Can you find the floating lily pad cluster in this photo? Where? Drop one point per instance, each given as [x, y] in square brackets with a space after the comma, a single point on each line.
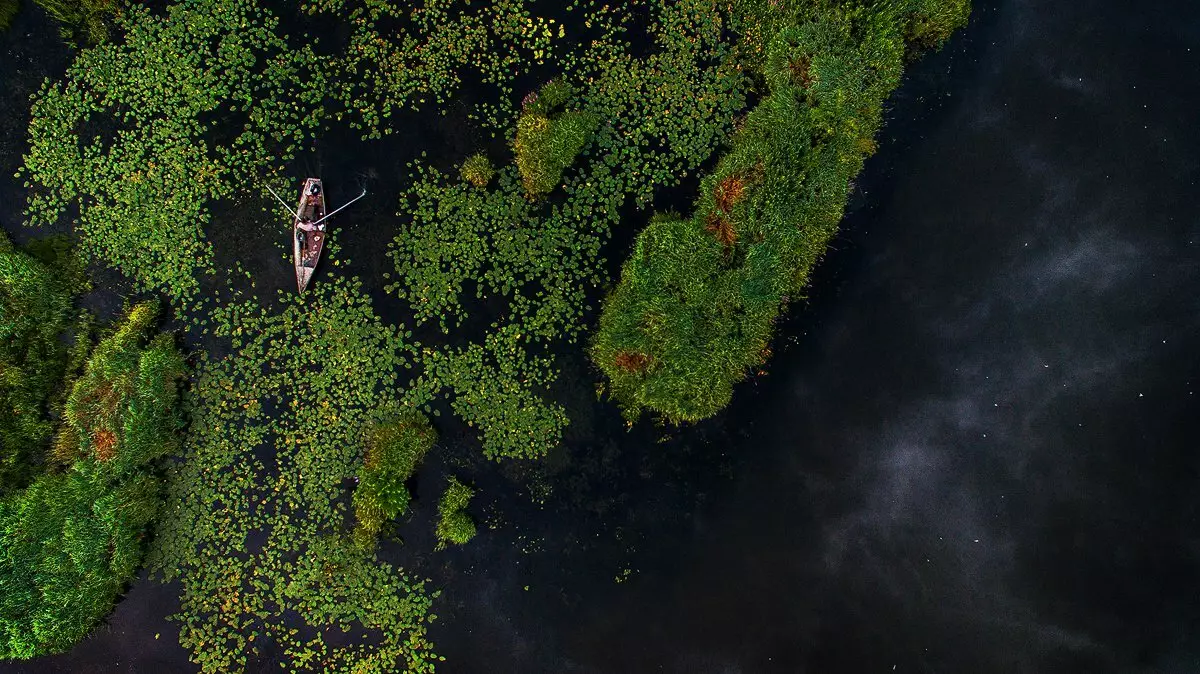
[384, 71]
[125, 139]
[256, 524]
[195, 104]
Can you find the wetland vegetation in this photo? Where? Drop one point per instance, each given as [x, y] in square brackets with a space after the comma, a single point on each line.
[83, 428]
[309, 415]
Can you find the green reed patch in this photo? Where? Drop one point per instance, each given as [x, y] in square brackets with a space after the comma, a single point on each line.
[697, 301]
[37, 285]
[86, 22]
[72, 540]
[394, 448]
[477, 170]
[454, 525]
[548, 139]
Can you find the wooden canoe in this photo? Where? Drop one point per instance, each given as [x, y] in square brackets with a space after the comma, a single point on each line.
[307, 240]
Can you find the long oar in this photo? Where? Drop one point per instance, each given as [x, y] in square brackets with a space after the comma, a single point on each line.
[289, 208]
[364, 193]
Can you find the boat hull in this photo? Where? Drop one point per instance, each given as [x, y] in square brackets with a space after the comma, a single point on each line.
[307, 241]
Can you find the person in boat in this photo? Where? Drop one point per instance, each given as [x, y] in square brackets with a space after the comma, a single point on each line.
[314, 190]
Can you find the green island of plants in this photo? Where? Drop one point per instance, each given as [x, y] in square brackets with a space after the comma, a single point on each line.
[394, 448]
[455, 526]
[698, 299]
[36, 310]
[294, 398]
[547, 141]
[71, 540]
[477, 170]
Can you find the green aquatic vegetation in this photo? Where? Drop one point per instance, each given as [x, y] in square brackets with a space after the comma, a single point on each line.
[477, 170]
[695, 308]
[394, 447]
[384, 70]
[71, 541]
[82, 21]
[8, 11]
[36, 296]
[546, 145]
[124, 138]
[256, 519]
[270, 542]
[538, 260]
[455, 526]
[495, 388]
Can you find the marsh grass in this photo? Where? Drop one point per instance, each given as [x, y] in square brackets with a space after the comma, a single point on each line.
[37, 319]
[8, 11]
[548, 140]
[699, 297]
[394, 449]
[454, 525]
[73, 539]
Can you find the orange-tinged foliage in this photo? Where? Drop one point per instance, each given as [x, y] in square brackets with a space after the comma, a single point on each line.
[632, 361]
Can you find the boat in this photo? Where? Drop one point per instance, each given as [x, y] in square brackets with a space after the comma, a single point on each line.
[309, 222]
[308, 231]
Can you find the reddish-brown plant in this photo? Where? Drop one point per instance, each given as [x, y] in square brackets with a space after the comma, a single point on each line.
[104, 444]
[720, 227]
[632, 361]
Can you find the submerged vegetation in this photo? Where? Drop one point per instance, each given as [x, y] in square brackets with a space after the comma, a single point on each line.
[264, 527]
[71, 540]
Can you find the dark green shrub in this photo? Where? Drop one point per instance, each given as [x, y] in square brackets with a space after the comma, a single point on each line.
[477, 170]
[70, 541]
[454, 525]
[393, 450]
[545, 146]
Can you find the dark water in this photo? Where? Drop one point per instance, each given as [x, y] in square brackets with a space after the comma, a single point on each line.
[975, 450]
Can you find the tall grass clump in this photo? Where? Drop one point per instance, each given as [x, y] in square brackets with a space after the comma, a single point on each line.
[85, 22]
[394, 448]
[455, 526]
[548, 142]
[36, 293]
[697, 300]
[73, 539]
[477, 170]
